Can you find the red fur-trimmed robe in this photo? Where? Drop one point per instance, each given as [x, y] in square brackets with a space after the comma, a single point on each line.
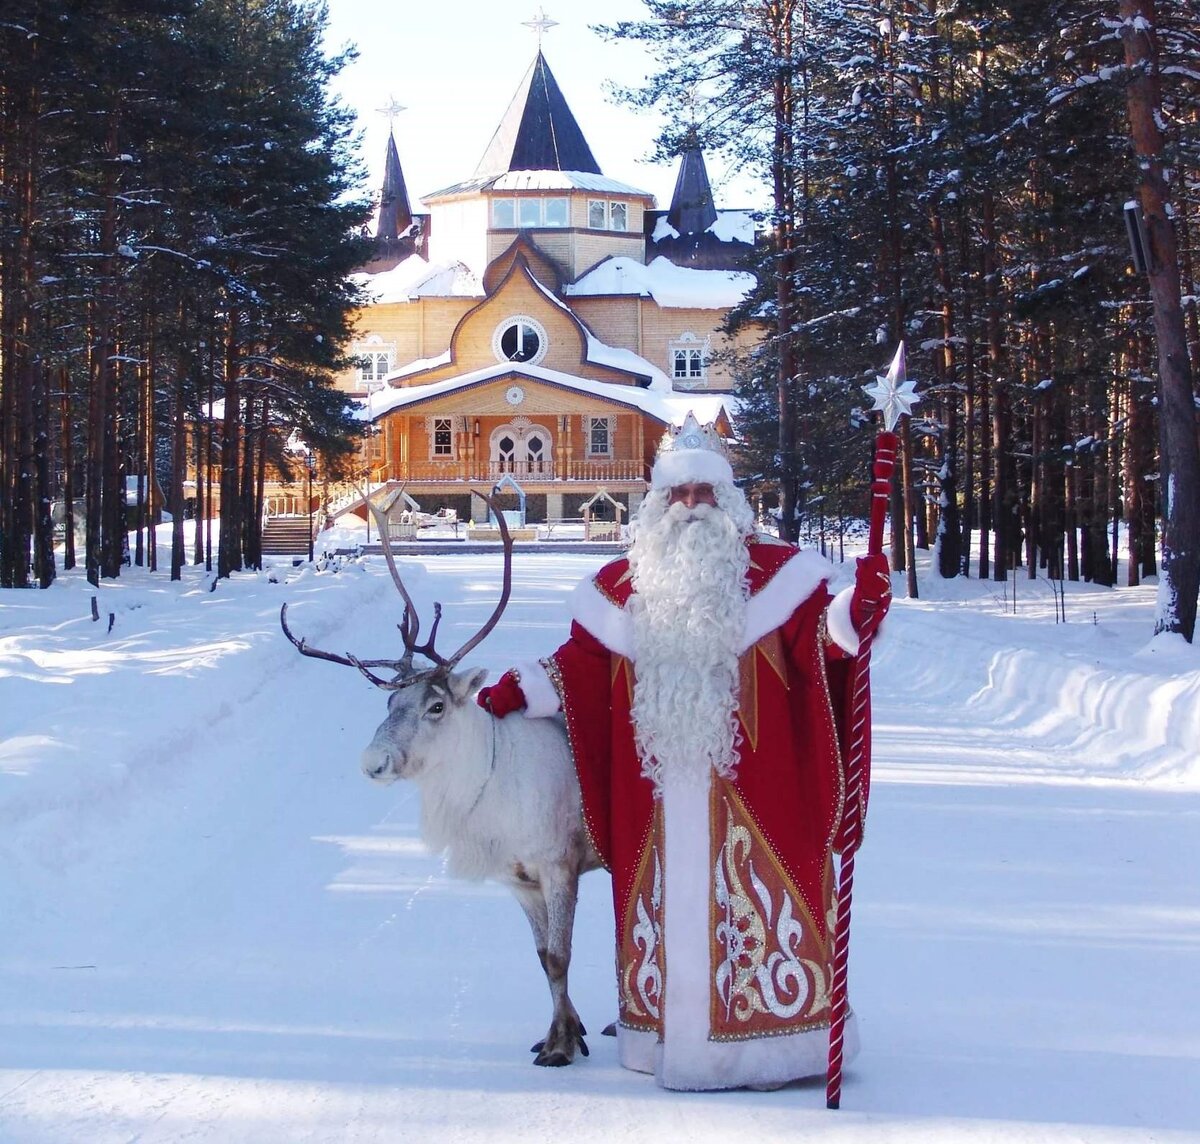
[724, 897]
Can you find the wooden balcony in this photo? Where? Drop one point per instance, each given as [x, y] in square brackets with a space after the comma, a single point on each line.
[524, 472]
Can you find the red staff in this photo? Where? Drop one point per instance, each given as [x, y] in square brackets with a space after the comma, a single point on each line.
[893, 396]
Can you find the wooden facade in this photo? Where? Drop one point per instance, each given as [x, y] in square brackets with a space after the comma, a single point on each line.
[497, 356]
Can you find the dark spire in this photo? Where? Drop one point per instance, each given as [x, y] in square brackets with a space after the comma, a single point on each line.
[538, 131]
[692, 210]
[395, 211]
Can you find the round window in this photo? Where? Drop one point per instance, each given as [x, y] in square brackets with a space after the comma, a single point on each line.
[520, 339]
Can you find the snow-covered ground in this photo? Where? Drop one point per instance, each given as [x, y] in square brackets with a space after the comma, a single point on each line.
[212, 928]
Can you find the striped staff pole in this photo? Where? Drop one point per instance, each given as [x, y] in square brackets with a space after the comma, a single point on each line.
[893, 396]
[850, 832]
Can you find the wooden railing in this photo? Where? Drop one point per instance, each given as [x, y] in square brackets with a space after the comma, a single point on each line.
[285, 504]
[531, 472]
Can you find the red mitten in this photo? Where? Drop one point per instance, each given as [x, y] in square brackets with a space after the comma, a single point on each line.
[872, 594]
[504, 696]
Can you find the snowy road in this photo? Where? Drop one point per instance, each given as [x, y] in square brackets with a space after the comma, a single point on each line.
[240, 939]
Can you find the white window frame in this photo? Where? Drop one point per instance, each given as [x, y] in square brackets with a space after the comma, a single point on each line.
[375, 358]
[529, 213]
[689, 348]
[496, 224]
[533, 324]
[535, 209]
[431, 430]
[609, 209]
[592, 422]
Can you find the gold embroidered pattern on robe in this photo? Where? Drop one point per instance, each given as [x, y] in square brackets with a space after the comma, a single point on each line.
[640, 972]
[770, 966]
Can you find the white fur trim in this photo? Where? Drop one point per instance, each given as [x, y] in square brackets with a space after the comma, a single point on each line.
[541, 700]
[841, 627]
[611, 625]
[636, 1049]
[798, 579]
[686, 1058]
[688, 466]
[765, 611]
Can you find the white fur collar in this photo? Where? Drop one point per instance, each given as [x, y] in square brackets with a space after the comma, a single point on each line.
[767, 610]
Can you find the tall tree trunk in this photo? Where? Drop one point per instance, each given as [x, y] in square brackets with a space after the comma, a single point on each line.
[1179, 582]
[251, 443]
[1002, 493]
[948, 525]
[229, 557]
[178, 473]
[43, 524]
[141, 517]
[67, 452]
[782, 182]
[969, 521]
[99, 466]
[260, 482]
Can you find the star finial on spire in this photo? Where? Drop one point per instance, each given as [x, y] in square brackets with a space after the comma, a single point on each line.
[894, 394]
[541, 24]
[391, 109]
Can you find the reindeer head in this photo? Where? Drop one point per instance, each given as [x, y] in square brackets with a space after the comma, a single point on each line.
[422, 723]
[422, 699]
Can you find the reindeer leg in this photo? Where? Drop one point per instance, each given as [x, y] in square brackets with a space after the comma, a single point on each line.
[531, 899]
[560, 887]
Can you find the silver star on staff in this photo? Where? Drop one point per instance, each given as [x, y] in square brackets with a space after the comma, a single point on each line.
[893, 394]
[541, 23]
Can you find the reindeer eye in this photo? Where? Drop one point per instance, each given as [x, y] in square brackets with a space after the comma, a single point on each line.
[436, 708]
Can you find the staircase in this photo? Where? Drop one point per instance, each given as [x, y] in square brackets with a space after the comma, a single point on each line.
[286, 536]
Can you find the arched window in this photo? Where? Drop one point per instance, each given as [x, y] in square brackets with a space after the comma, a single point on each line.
[506, 453]
[521, 448]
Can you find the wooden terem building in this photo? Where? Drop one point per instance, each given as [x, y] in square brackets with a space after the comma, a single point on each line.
[541, 320]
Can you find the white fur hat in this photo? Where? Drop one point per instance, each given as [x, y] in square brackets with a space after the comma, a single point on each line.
[692, 454]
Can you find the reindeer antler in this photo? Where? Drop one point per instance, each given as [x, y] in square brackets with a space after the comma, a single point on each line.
[410, 624]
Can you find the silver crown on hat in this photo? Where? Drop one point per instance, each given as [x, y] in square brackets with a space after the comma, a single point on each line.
[692, 435]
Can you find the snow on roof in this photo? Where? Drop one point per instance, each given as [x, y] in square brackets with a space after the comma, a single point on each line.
[663, 229]
[734, 226]
[667, 407]
[563, 180]
[541, 181]
[669, 285]
[603, 354]
[731, 226]
[419, 366]
[415, 278]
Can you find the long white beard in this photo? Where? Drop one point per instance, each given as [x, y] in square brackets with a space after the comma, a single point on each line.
[689, 614]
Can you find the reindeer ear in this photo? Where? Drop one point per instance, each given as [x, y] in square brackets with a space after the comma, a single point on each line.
[465, 683]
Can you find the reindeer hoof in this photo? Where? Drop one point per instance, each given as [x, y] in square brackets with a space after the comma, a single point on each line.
[553, 1060]
[560, 1046]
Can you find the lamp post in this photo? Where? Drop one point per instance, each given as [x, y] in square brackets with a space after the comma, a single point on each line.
[308, 470]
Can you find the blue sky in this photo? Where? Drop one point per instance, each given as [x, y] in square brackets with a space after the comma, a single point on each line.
[456, 66]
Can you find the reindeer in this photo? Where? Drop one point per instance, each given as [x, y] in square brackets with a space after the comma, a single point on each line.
[499, 796]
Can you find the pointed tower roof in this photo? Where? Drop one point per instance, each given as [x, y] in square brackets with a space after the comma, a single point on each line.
[538, 131]
[692, 210]
[395, 211]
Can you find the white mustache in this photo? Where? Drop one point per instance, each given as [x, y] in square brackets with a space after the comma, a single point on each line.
[679, 512]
